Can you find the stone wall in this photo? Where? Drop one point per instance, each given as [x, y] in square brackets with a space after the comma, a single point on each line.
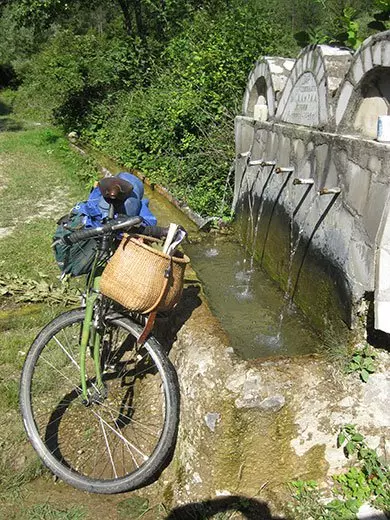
[312, 182]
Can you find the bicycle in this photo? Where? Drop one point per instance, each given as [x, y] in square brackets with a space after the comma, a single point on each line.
[100, 407]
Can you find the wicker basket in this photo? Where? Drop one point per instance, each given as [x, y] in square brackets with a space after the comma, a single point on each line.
[135, 277]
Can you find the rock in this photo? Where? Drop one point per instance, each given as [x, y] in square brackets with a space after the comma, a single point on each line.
[366, 512]
[73, 137]
[211, 419]
[273, 403]
[269, 404]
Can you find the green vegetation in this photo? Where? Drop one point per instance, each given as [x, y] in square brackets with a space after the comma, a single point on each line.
[362, 362]
[156, 85]
[50, 512]
[367, 481]
[40, 179]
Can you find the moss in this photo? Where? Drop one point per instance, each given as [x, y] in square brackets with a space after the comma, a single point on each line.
[132, 508]
[316, 283]
[168, 495]
[254, 453]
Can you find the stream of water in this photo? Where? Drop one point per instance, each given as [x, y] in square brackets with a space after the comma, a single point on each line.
[248, 303]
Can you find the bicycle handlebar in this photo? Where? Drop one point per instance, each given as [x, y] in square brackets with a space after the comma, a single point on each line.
[83, 234]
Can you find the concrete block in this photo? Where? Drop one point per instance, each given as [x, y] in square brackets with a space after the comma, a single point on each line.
[331, 177]
[357, 70]
[343, 101]
[320, 73]
[357, 185]
[383, 275]
[289, 64]
[360, 266]
[271, 100]
[377, 53]
[260, 112]
[366, 119]
[382, 313]
[367, 59]
[299, 150]
[385, 53]
[323, 102]
[375, 204]
[374, 164]
[340, 227]
[272, 148]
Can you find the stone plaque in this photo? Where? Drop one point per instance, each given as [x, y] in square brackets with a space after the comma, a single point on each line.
[302, 107]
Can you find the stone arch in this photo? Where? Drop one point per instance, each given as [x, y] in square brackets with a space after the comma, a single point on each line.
[307, 96]
[265, 82]
[365, 92]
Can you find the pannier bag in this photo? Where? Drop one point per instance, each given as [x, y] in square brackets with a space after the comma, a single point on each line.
[142, 278]
[75, 259]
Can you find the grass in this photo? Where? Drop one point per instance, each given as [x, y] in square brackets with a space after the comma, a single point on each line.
[40, 180]
[50, 512]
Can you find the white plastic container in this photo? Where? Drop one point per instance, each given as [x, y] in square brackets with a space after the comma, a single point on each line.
[383, 129]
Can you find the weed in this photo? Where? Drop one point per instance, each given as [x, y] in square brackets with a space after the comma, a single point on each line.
[367, 481]
[26, 290]
[362, 362]
[132, 508]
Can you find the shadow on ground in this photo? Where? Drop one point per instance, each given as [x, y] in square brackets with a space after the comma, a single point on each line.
[4, 109]
[168, 325]
[9, 125]
[249, 509]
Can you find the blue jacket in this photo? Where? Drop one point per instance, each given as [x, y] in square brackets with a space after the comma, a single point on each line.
[96, 208]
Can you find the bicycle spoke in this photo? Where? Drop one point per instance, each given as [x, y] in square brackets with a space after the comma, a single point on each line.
[66, 352]
[120, 429]
[108, 446]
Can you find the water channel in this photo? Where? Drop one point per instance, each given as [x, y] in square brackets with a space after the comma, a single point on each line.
[251, 308]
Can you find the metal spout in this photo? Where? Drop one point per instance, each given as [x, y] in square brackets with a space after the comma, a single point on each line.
[288, 169]
[330, 191]
[303, 181]
[256, 162]
[267, 163]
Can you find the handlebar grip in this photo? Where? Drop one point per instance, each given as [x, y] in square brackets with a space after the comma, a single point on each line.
[155, 231]
[83, 234]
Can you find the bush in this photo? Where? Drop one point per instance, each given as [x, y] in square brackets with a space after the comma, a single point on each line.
[173, 119]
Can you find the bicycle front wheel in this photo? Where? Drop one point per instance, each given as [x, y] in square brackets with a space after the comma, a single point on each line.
[122, 437]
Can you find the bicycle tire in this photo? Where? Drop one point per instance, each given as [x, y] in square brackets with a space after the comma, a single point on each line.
[66, 434]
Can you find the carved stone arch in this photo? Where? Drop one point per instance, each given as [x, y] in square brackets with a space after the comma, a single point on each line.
[365, 92]
[265, 82]
[308, 93]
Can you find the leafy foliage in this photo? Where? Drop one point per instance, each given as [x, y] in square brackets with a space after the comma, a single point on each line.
[367, 481]
[362, 362]
[22, 289]
[164, 102]
[156, 85]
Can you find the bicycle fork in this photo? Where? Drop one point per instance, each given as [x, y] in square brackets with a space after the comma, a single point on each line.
[91, 336]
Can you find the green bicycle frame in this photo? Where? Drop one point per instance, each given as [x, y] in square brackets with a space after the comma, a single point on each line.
[90, 337]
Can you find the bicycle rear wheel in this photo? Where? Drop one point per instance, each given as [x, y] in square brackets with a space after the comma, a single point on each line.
[122, 439]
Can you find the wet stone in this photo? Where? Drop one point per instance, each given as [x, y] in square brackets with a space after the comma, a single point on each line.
[269, 404]
[212, 419]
